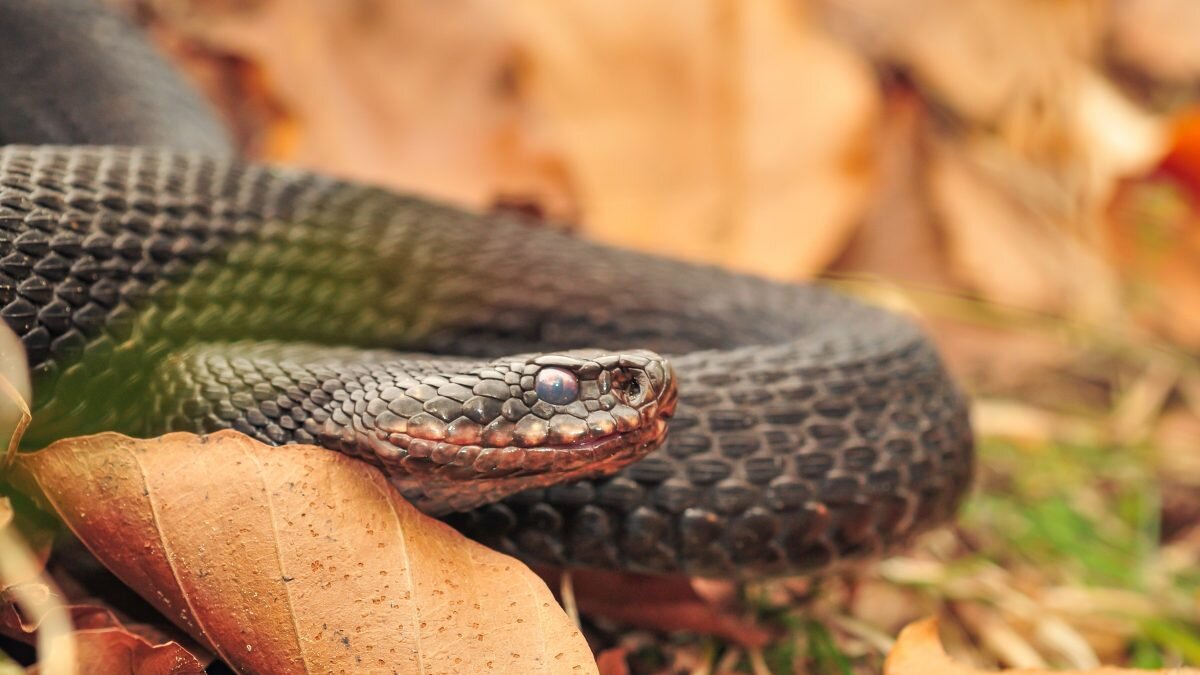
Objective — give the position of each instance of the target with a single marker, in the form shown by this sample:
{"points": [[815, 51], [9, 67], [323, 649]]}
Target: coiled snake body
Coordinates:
{"points": [[158, 289]]}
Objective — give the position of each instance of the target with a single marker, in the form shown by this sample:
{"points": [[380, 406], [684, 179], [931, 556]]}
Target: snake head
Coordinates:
{"points": [[486, 430]]}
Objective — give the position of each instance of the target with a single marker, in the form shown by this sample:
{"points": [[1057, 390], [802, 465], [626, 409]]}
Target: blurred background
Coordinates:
{"points": [[1021, 174]]}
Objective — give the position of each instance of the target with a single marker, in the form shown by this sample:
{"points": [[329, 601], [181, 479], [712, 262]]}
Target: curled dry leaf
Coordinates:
{"points": [[117, 651], [918, 651], [102, 644], [299, 559]]}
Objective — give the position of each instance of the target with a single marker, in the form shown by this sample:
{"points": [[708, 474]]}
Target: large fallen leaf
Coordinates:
{"points": [[919, 652], [297, 558], [717, 131], [741, 135]]}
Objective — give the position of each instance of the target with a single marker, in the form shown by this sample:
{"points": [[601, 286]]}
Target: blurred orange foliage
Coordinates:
{"points": [[785, 138]]}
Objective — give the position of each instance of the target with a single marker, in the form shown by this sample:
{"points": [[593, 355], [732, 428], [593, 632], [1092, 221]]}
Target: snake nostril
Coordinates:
{"points": [[632, 388]]}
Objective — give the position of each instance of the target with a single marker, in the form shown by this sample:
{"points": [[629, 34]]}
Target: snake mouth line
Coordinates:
{"points": [[441, 460], [459, 478], [497, 472]]}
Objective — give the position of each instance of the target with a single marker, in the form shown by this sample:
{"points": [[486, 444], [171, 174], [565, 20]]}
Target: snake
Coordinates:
{"points": [[564, 401]]}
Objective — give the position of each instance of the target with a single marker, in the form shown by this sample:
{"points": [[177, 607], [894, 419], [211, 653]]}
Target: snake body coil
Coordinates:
{"points": [[156, 290]]}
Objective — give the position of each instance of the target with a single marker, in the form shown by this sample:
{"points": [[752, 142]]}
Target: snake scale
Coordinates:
{"points": [[498, 372]]}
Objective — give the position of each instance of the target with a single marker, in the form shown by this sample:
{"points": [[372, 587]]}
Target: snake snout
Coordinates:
{"points": [[670, 396], [646, 381]]}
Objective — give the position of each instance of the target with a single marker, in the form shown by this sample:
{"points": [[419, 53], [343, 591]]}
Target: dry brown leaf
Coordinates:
{"points": [[98, 631], [741, 136], [898, 238], [984, 59], [102, 644], [116, 651], [663, 603], [410, 94], [1035, 145], [103, 633], [1010, 252], [716, 131], [918, 651], [283, 559], [1026, 227]]}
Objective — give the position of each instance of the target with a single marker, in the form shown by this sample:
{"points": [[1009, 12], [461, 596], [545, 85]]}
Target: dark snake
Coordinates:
{"points": [[164, 286]]}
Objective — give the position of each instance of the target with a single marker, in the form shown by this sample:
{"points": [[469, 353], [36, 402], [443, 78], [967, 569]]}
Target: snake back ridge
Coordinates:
{"points": [[163, 286]]}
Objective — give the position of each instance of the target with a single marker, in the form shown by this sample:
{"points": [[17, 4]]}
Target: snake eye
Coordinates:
{"points": [[632, 387], [556, 386]]}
